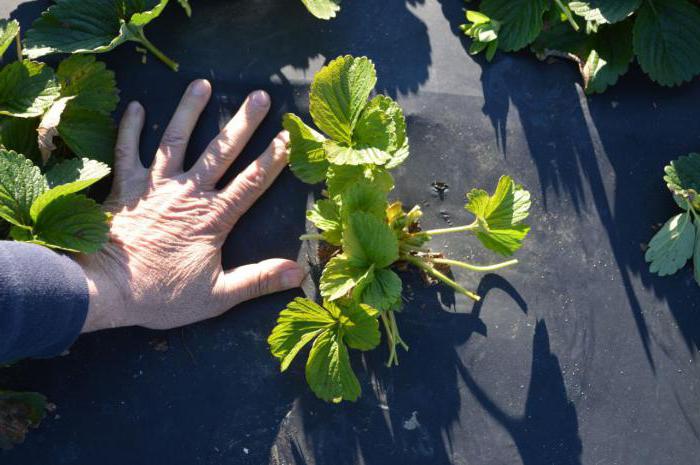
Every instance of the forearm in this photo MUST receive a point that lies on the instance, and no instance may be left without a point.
(43, 301)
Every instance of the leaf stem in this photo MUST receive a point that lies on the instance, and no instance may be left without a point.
(437, 232)
(567, 13)
(390, 341)
(392, 318)
(469, 266)
(438, 275)
(18, 43)
(141, 37)
(311, 237)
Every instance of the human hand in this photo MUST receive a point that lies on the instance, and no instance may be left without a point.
(162, 266)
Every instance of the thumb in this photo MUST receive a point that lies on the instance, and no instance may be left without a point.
(250, 281)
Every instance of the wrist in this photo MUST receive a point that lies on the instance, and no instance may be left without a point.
(104, 308)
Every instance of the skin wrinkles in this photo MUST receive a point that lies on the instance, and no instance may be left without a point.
(162, 266)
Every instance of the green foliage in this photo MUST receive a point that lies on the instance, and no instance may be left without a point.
(94, 26)
(663, 35)
(683, 178)
(679, 239)
(333, 328)
(364, 139)
(45, 209)
(8, 31)
(500, 216)
(27, 89)
(322, 9)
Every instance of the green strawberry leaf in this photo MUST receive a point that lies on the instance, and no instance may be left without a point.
(383, 292)
(27, 89)
(338, 94)
(520, 21)
(683, 178)
(340, 154)
(667, 41)
(89, 134)
(90, 83)
(605, 11)
(610, 57)
(81, 116)
(322, 9)
(328, 369)
(72, 222)
(307, 159)
(297, 325)
(8, 31)
(368, 241)
(361, 329)
(20, 184)
(68, 178)
(382, 126)
(77, 170)
(672, 246)
(340, 276)
(363, 196)
(325, 215)
(341, 177)
(331, 327)
(19, 134)
(19, 411)
(499, 216)
(93, 26)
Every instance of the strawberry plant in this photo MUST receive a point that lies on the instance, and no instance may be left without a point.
(679, 239)
(56, 138)
(358, 142)
(95, 26)
(602, 36)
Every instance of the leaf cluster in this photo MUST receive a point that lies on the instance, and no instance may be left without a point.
(602, 36)
(95, 26)
(359, 140)
(56, 139)
(46, 209)
(679, 239)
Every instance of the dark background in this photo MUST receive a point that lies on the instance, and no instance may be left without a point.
(576, 356)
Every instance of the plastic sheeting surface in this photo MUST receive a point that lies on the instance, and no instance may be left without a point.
(576, 356)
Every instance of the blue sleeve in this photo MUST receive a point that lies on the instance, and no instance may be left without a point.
(43, 301)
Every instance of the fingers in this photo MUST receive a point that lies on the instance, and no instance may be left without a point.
(128, 169)
(241, 193)
(171, 152)
(258, 279)
(224, 149)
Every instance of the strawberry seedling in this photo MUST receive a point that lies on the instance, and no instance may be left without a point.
(358, 142)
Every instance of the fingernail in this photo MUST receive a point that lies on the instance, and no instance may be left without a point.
(292, 278)
(260, 99)
(200, 87)
(133, 107)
